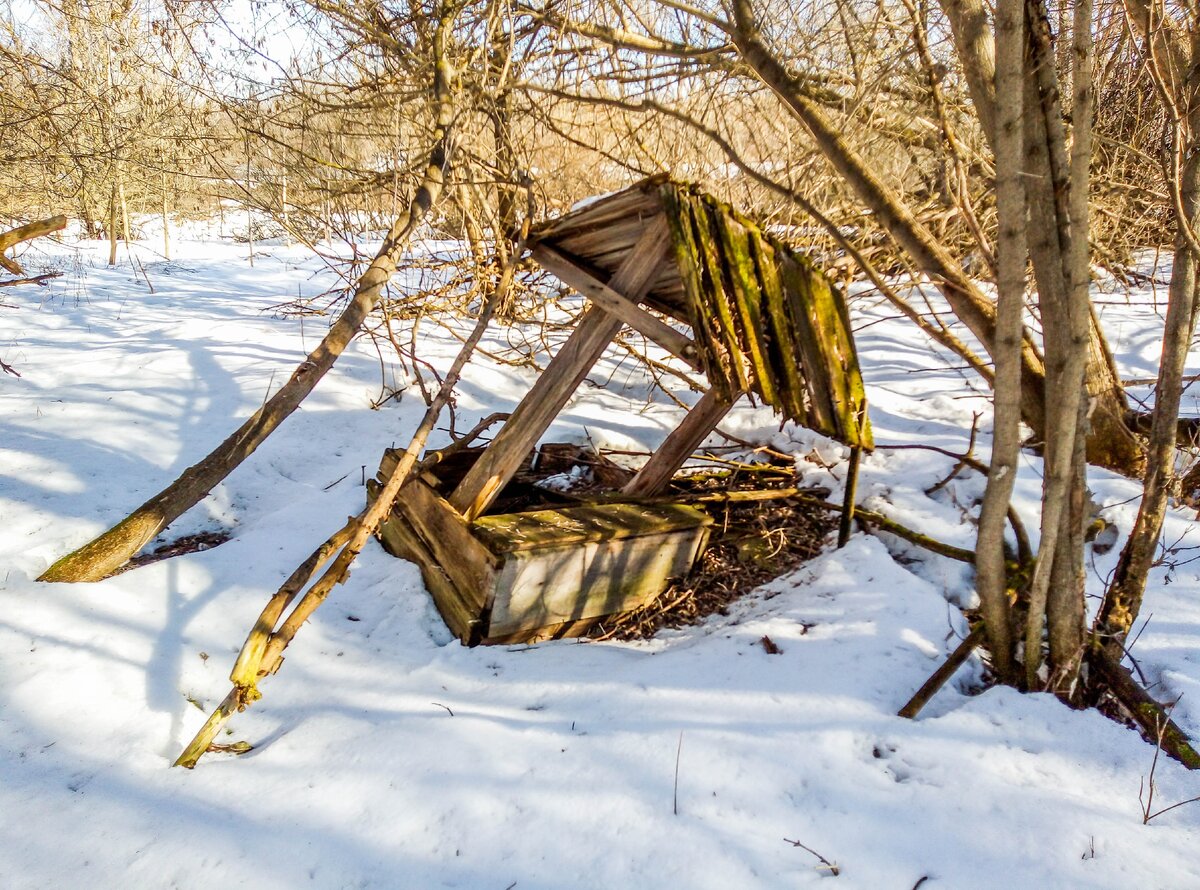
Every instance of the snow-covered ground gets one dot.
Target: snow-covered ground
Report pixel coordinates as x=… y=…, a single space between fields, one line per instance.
x=387 y=755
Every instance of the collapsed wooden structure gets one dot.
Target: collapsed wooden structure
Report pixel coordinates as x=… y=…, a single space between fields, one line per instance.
x=764 y=322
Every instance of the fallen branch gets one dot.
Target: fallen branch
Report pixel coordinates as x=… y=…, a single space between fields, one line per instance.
x=931 y=686
x=101 y=556
x=27 y=232
x=262 y=653
x=39 y=280
x=1149 y=714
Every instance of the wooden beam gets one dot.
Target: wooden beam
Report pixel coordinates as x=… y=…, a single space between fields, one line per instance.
x=573 y=272
x=679 y=445
x=559 y=381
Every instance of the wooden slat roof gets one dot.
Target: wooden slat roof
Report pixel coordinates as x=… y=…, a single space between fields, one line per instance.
x=764 y=318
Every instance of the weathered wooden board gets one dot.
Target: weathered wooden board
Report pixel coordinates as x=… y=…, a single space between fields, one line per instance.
x=680 y=444
x=448 y=537
x=574 y=272
x=559 y=381
x=586 y=524
x=550 y=585
x=462 y=612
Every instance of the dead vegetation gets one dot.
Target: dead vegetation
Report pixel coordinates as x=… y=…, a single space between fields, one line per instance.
x=750 y=543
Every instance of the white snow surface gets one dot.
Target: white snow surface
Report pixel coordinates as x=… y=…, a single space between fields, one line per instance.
x=387 y=755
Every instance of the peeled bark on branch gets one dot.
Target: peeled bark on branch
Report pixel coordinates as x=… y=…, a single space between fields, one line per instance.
x=101 y=556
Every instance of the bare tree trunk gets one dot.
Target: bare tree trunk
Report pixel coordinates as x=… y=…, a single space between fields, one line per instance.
x=991 y=579
x=124 y=212
x=113 y=548
x=1065 y=610
x=166 y=221
x=112 y=226
x=1123 y=600
x=1111 y=443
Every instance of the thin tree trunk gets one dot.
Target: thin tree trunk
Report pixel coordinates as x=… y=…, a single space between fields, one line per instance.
x=124 y=212
x=1064 y=325
x=166 y=222
x=112 y=226
x=1111 y=443
x=113 y=548
x=991 y=579
x=1065 y=610
x=1123 y=600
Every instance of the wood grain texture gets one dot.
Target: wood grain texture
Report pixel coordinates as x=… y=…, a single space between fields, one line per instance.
x=574 y=273
x=558 y=382
x=679 y=445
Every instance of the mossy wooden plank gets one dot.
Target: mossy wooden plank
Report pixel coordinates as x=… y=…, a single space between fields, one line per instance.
x=823 y=414
x=725 y=333
x=513 y=532
x=832 y=324
x=691 y=271
x=782 y=350
x=742 y=274
x=715 y=302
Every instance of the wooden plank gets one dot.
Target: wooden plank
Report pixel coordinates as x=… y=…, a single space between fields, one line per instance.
x=823 y=416
x=783 y=352
x=573 y=272
x=512 y=532
x=468 y=563
x=679 y=445
x=743 y=276
x=831 y=324
x=620 y=234
x=558 y=382
x=564 y=630
x=538 y=588
x=717 y=295
x=641 y=199
x=691 y=270
x=461 y=614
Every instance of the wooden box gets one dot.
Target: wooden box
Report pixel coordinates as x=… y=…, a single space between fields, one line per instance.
x=524 y=577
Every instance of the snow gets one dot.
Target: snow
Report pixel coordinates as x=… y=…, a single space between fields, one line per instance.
x=387 y=755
